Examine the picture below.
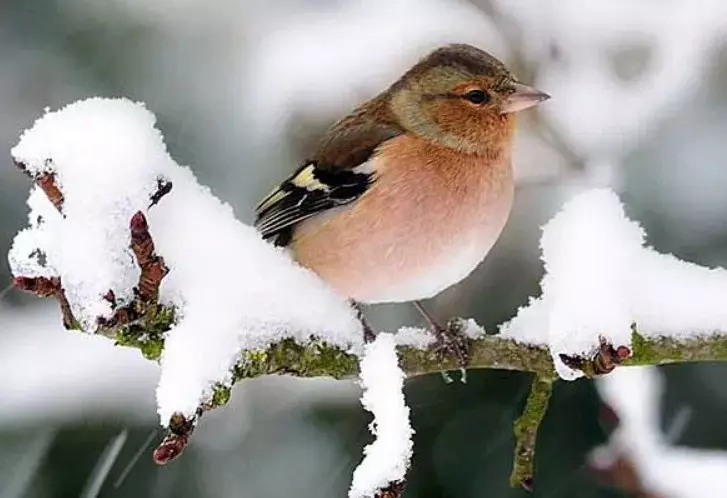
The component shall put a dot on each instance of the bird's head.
(461, 97)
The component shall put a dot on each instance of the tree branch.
(526, 431)
(317, 358)
(143, 323)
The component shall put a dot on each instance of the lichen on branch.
(317, 358)
(139, 318)
(526, 431)
(143, 322)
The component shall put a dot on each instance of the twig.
(394, 490)
(49, 287)
(153, 269)
(602, 362)
(317, 358)
(47, 182)
(164, 186)
(177, 438)
(526, 432)
(143, 323)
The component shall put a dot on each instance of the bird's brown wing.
(338, 174)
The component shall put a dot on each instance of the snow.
(472, 330)
(420, 338)
(233, 291)
(635, 394)
(387, 458)
(600, 279)
(588, 251)
(415, 337)
(89, 247)
(584, 36)
(27, 244)
(680, 299)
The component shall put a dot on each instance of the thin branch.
(47, 182)
(526, 432)
(316, 358)
(49, 287)
(153, 269)
(143, 322)
(394, 490)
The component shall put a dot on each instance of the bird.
(405, 196)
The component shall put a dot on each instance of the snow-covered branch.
(136, 250)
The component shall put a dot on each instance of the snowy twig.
(178, 277)
(47, 182)
(394, 490)
(143, 326)
(317, 358)
(48, 287)
(486, 352)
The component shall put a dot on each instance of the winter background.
(241, 91)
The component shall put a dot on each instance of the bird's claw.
(453, 344)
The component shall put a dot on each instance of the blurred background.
(241, 90)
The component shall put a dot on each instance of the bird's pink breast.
(428, 220)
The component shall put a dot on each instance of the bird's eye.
(477, 96)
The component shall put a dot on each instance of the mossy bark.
(526, 431)
(317, 358)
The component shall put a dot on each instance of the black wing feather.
(307, 192)
(336, 175)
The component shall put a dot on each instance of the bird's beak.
(523, 97)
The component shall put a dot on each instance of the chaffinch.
(406, 195)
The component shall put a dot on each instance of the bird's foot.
(452, 343)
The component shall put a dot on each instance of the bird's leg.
(369, 334)
(449, 341)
